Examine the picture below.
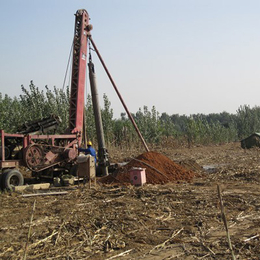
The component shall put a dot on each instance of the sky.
(181, 56)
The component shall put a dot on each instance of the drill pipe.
(102, 151)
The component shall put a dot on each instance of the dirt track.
(171, 221)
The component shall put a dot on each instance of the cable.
(90, 49)
(67, 65)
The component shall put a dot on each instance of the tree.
(247, 121)
(58, 104)
(149, 124)
(167, 125)
(10, 113)
(35, 104)
(90, 120)
(107, 119)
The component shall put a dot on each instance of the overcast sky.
(181, 56)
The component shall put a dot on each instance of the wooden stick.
(225, 223)
(45, 239)
(29, 232)
(44, 194)
(166, 241)
(58, 236)
(251, 238)
(121, 254)
(203, 244)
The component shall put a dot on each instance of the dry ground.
(172, 221)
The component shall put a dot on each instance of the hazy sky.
(181, 56)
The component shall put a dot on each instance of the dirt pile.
(190, 164)
(159, 170)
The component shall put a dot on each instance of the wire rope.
(67, 65)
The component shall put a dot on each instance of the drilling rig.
(50, 155)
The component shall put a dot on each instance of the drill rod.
(118, 94)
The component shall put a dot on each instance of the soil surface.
(176, 215)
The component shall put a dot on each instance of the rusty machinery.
(49, 155)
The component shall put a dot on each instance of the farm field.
(174, 220)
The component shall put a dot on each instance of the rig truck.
(50, 155)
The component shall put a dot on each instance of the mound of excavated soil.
(190, 164)
(159, 170)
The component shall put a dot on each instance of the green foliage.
(33, 100)
(58, 104)
(10, 113)
(149, 124)
(248, 120)
(124, 133)
(107, 119)
(201, 129)
(90, 120)
(34, 104)
(167, 125)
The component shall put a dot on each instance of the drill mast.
(78, 77)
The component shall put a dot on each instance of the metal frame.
(27, 140)
(78, 78)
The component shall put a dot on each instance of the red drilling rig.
(52, 155)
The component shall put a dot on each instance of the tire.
(12, 178)
(1, 181)
(2, 178)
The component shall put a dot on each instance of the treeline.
(156, 128)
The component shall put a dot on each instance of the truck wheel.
(2, 178)
(12, 178)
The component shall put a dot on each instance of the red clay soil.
(159, 170)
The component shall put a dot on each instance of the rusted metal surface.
(2, 145)
(43, 126)
(34, 156)
(37, 152)
(38, 157)
(78, 71)
(70, 154)
(10, 163)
